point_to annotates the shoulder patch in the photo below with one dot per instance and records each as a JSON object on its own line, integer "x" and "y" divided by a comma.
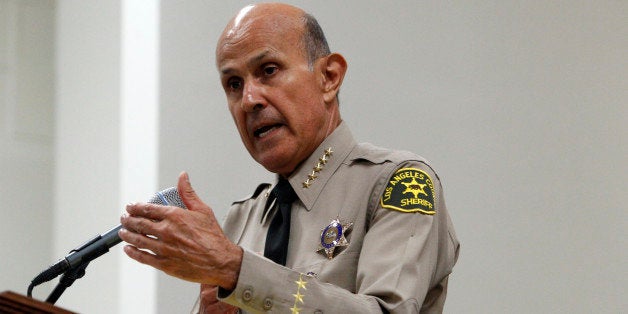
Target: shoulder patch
{"x": 409, "y": 190}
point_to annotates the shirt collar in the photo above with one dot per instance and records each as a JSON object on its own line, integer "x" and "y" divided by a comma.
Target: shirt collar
{"x": 313, "y": 174}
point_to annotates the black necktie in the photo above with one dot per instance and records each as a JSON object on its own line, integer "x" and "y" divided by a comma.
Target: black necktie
{"x": 276, "y": 247}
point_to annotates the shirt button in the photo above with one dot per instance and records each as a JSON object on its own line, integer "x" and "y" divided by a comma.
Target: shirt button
{"x": 247, "y": 294}
{"x": 318, "y": 312}
{"x": 268, "y": 304}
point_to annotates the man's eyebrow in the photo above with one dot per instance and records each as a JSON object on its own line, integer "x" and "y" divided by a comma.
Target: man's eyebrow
{"x": 258, "y": 57}
{"x": 250, "y": 62}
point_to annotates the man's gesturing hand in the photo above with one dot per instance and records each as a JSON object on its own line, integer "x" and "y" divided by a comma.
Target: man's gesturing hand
{"x": 188, "y": 244}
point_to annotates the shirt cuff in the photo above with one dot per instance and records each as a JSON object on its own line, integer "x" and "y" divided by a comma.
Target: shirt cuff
{"x": 261, "y": 285}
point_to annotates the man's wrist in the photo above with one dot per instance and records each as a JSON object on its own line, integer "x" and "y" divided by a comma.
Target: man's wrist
{"x": 233, "y": 269}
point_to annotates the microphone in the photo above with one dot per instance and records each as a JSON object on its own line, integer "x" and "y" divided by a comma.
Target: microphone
{"x": 100, "y": 244}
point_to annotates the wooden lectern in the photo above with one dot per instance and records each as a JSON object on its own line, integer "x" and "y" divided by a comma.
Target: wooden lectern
{"x": 14, "y": 303}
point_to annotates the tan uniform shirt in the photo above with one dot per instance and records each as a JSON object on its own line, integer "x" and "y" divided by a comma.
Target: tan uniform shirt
{"x": 392, "y": 249}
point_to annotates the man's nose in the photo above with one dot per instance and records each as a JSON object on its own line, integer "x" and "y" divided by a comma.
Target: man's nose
{"x": 253, "y": 98}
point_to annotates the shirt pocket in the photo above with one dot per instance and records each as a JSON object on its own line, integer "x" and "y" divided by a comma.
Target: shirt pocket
{"x": 340, "y": 270}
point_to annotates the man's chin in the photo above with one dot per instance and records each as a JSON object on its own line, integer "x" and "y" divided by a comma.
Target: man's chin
{"x": 276, "y": 164}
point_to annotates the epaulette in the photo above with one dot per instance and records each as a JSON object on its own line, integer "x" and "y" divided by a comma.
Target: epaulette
{"x": 260, "y": 188}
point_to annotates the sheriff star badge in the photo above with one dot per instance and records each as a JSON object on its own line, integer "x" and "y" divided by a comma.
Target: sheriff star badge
{"x": 333, "y": 236}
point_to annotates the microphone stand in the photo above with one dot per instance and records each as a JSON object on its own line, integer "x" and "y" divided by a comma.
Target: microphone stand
{"x": 73, "y": 270}
{"x": 66, "y": 281}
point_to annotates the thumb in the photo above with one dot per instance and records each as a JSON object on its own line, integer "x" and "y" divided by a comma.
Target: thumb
{"x": 188, "y": 195}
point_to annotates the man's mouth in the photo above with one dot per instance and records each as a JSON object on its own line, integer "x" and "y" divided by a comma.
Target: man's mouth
{"x": 265, "y": 130}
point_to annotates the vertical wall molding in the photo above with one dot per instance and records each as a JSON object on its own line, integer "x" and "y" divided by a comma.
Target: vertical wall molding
{"x": 28, "y": 70}
{"x": 139, "y": 108}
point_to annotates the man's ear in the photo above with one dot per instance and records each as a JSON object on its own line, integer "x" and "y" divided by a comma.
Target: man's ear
{"x": 333, "y": 69}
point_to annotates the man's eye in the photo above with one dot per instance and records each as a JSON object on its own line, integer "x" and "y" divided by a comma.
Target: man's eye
{"x": 270, "y": 69}
{"x": 234, "y": 84}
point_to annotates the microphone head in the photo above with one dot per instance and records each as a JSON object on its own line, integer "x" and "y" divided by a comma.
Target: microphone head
{"x": 169, "y": 196}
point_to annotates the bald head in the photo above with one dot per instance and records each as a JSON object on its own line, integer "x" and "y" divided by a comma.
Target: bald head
{"x": 282, "y": 20}
{"x": 281, "y": 86}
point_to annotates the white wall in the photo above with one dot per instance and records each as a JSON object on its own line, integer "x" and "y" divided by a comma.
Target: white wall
{"x": 26, "y": 140}
{"x": 106, "y": 144}
{"x": 88, "y": 146}
{"x": 521, "y": 107}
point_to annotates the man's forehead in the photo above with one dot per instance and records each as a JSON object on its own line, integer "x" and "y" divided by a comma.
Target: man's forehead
{"x": 251, "y": 43}
{"x": 269, "y": 18}
{"x": 241, "y": 14}
{"x": 228, "y": 64}
{"x": 267, "y": 11}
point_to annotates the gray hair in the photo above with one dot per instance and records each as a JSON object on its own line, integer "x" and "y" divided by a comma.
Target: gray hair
{"x": 314, "y": 41}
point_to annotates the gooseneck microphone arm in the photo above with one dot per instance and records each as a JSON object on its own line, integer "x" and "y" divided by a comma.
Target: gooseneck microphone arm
{"x": 83, "y": 254}
{"x": 73, "y": 265}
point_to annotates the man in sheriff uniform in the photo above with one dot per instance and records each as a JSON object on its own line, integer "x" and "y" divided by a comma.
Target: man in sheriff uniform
{"x": 363, "y": 230}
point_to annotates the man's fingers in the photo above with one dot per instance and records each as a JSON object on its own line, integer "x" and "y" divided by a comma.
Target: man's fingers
{"x": 135, "y": 224}
{"x": 142, "y": 256}
{"x": 147, "y": 210}
{"x": 188, "y": 195}
{"x": 141, "y": 241}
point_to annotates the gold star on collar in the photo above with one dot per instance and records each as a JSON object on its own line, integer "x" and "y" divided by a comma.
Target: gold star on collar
{"x": 318, "y": 168}
{"x": 307, "y": 183}
{"x": 312, "y": 175}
